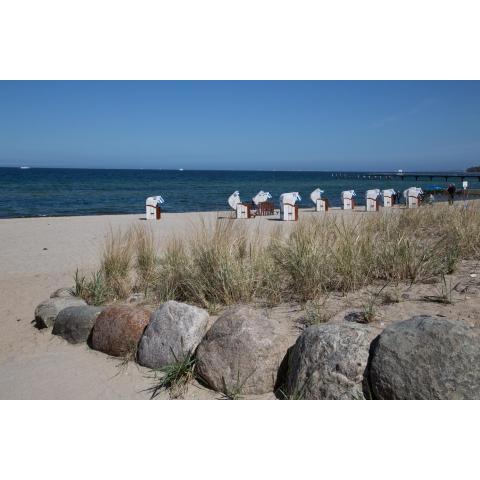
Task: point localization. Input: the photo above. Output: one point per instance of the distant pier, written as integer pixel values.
(408, 175)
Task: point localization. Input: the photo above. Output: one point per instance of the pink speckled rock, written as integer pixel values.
(118, 329)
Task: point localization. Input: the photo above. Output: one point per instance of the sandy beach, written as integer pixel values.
(40, 255)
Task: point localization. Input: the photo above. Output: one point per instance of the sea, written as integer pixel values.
(38, 192)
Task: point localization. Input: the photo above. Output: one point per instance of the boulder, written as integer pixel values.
(175, 330)
(242, 352)
(329, 362)
(118, 329)
(426, 358)
(47, 311)
(74, 324)
(62, 293)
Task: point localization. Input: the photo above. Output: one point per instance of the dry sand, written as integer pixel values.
(40, 255)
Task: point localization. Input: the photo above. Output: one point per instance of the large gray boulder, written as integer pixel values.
(427, 358)
(242, 352)
(47, 311)
(329, 362)
(74, 324)
(175, 330)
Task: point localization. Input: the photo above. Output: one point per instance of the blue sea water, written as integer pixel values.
(56, 191)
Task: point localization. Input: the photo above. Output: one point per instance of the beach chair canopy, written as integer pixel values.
(260, 197)
(154, 201)
(316, 195)
(389, 192)
(412, 192)
(373, 194)
(290, 198)
(348, 194)
(234, 199)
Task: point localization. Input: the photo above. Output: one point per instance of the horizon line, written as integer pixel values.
(382, 172)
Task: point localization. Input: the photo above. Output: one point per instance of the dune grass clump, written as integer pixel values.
(316, 312)
(145, 258)
(466, 226)
(226, 263)
(445, 291)
(229, 262)
(173, 378)
(173, 277)
(117, 261)
(301, 259)
(219, 265)
(113, 279)
(407, 249)
(235, 391)
(93, 289)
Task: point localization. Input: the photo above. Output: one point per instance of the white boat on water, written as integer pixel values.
(24, 168)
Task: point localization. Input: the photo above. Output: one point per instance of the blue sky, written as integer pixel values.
(315, 125)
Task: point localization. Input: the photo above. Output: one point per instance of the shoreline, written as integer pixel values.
(225, 213)
(358, 208)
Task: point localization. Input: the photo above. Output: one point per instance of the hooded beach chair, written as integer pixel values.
(241, 210)
(413, 197)
(348, 199)
(288, 209)
(321, 204)
(372, 198)
(152, 208)
(262, 205)
(389, 197)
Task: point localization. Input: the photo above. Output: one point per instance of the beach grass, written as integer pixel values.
(173, 378)
(117, 262)
(145, 257)
(92, 289)
(316, 312)
(227, 263)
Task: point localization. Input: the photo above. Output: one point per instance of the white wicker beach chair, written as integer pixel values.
(288, 209)
(152, 208)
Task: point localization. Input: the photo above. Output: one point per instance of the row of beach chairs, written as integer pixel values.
(289, 210)
(261, 204)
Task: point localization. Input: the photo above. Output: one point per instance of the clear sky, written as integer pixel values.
(315, 125)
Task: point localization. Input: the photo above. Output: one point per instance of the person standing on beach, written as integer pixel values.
(451, 193)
